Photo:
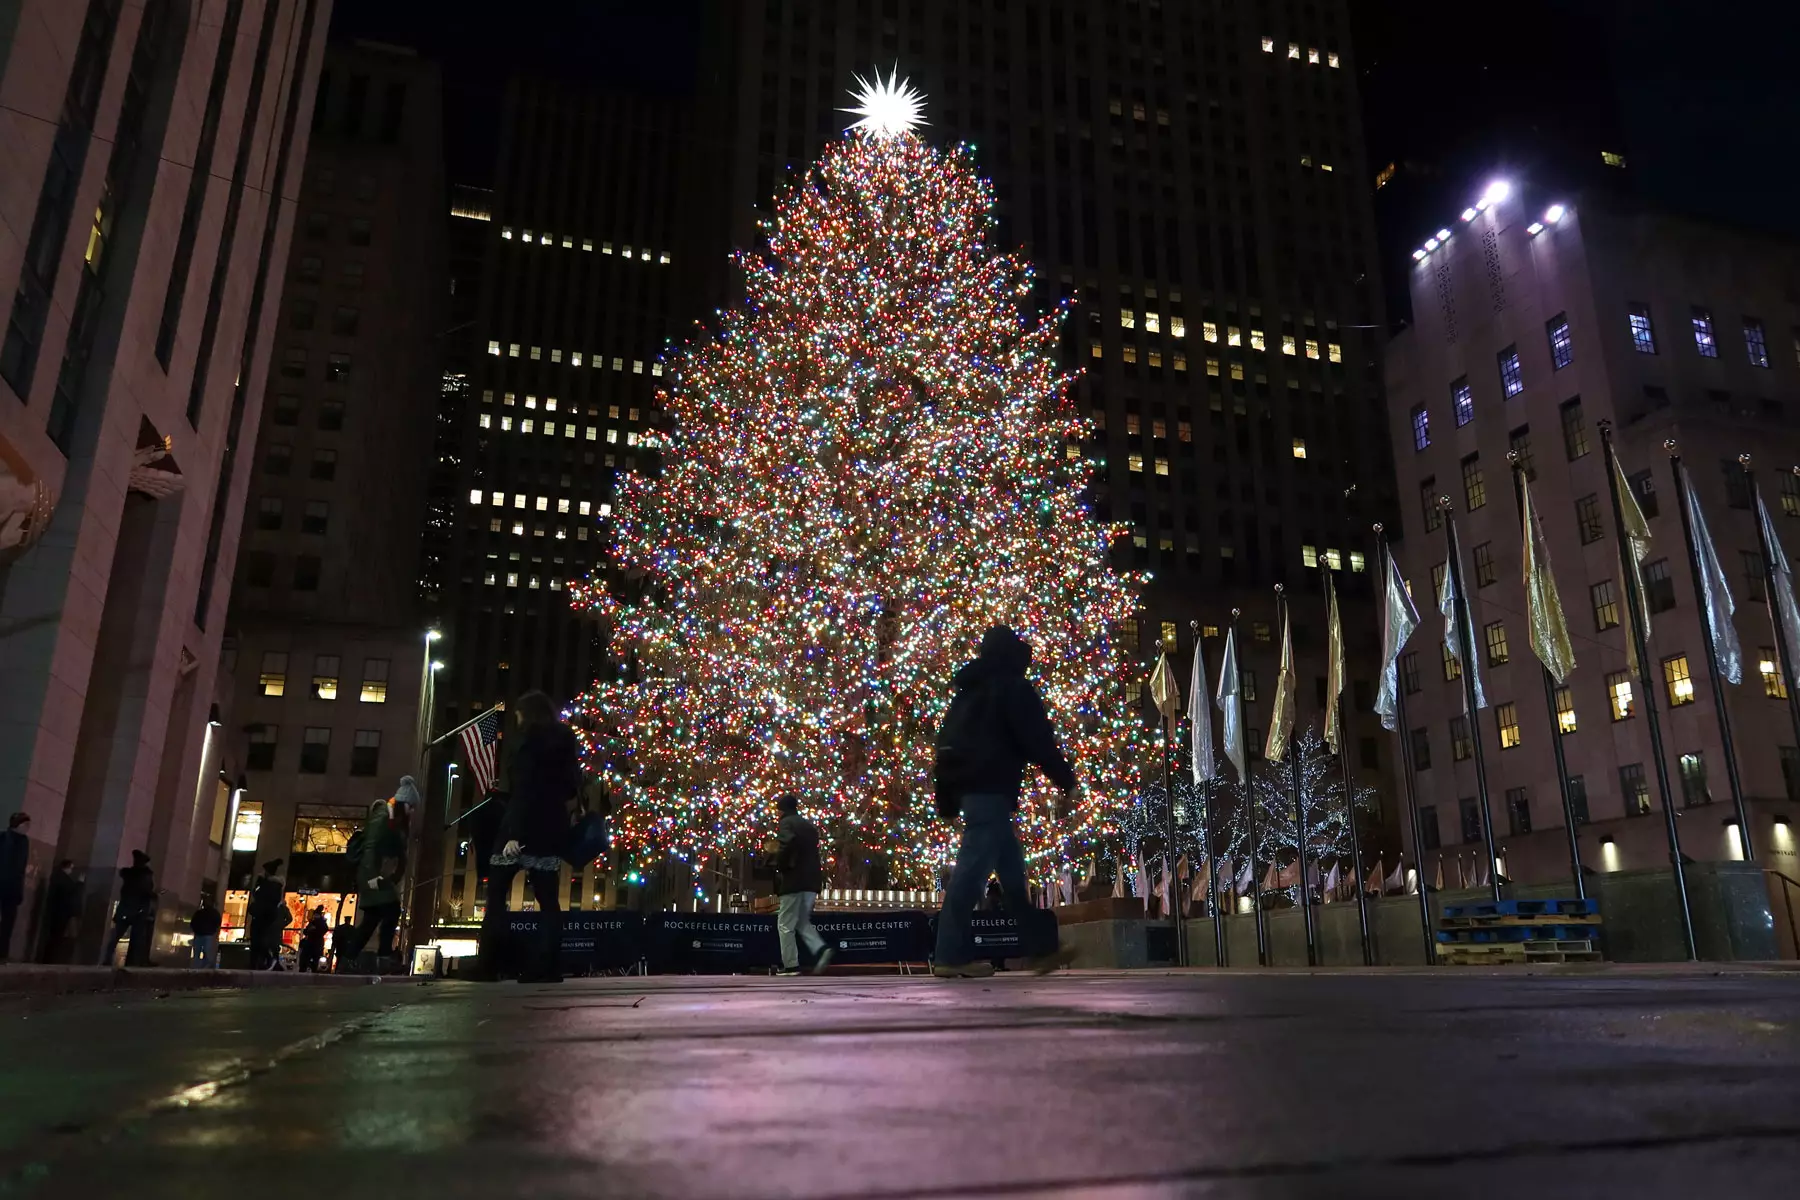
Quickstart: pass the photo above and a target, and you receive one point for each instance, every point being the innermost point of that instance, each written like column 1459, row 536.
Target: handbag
column 586, row 841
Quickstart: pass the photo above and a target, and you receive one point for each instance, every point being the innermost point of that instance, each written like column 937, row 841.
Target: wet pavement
column 1395, row 1084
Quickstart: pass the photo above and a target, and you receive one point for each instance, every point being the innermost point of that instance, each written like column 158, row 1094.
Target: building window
column 1261, row 631
column 269, row 513
column 1506, row 716
column 365, row 752
column 353, row 275
column 1565, row 711
column 1429, row 837
column 1659, row 588
column 1428, row 502
column 1578, row 799
column 1247, row 686
column 1643, row 486
column 1474, row 486
column 1421, row 427
column 1753, row 573
column 1694, row 791
column 375, row 681
column 293, row 363
column 316, row 517
column 1790, row 494
column 273, row 679
column 1618, row 695
column 1643, row 334
column 1409, row 672
column 1587, row 519
column 1461, row 745
column 1299, row 447
column 1574, row 427
column 1421, row 750
column 1484, row 564
column 325, row 677
column 1518, row 810
column 1471, row 818
column 260, row 755
column 1494, row 633
column 1634, row 789
column 1512, row 381
column 315, row 750
column 1704, row 341
column 1675, row 679
column 337, row 368
column 1756, row 342
column 324, row 465
column 1562, row 346
column 1606, row 605
column 1452, row 668
column 306, row 573
column 1462, row 401
column 302, row 313
column 1737, row 487
column 1769, row 664
column 1519, row 442
column 345, row 321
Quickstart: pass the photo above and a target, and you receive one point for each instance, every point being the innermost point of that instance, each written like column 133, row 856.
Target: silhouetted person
column 204, row 925
column 15, row 856
column 544, row 782
column 268, row 914
column 135, row 914
column 312, row 940
column 62, row 909
column 378, row 876
column 798, row 877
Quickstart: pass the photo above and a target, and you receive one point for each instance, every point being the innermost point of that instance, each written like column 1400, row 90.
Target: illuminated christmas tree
column 872, row 461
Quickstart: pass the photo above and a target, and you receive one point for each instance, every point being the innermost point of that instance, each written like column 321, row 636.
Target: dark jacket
column 312, row 934
column 545, row 775
column 137, row 888
column 15, row 853
column 64, row 900
column 266, row 896
column 1006, row 723
column 797, row 866
column 383, row 857
column 205, row 922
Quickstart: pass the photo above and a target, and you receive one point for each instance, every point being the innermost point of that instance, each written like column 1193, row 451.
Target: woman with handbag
column 544, row 785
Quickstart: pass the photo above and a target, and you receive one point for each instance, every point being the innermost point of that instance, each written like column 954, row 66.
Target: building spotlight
column 1497, row 191
column 1443, row 235
column 1468, row 214
column 1553, row 214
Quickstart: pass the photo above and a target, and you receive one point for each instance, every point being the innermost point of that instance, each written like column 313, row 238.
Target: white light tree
column 1322, row 798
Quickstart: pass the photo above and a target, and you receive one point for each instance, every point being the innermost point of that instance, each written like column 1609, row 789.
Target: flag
column 1066, row 889
column 1334, row 665
column 1231, row 726
column 1480, row 867
column 1181, row 867
column 1166, row 889
column 1398, row 619
column 1245, row 876
column 1397, row 881
column 479, row 740
column 1438, row 884
column 1455, row 608
column 1411, row 885
column 1333, row 881
column 1780, row 581
column 1372, row 881
column 1281, row 716
column 1119, row 883
column 1543, row 607
column 1164, row 690
column 1288, row 876
column 1206, row 765
column 1715, row 594
column 1637, row 537
column 1202, row 880
column 1140, row 883
column 1463, row 879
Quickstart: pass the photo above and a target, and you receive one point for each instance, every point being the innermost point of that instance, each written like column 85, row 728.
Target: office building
column 152, row 154
column 1538, row 317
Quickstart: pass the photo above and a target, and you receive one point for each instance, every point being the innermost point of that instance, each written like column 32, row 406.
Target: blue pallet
column 1520, row 933
column 1524, row 908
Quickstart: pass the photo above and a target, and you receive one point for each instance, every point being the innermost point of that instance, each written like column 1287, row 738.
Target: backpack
column 354, row 847
column 965, row 725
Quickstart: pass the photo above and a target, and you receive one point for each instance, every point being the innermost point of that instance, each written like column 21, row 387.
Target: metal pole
column 1556, row 745
column 1712, row 652
column 1784, row 651
column 1639, row 639
column 1206, row 822
column 1465, row 634
column 1174, row 914
column 1262, row 943
column 1343, row 731
column 1293, row 752
column 1409, row 777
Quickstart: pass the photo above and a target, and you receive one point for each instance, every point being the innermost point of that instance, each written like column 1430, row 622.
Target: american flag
column 478, row 743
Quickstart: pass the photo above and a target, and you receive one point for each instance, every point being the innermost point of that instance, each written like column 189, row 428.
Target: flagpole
column 1202, row 695
column 1385, row 555
column 1168, row 729
column 1712, row 652
column 1634, row 603
column 1343, row 729
column 1465, row 635
column 1556, row 743
column 1783, row 650
column 1262, row 945
column 444, row 737
column 1293, row 753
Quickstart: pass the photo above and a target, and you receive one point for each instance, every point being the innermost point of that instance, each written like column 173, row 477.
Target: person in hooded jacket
column 379, row 873
column 544, row 782
column 135, row 913
column 995, row 728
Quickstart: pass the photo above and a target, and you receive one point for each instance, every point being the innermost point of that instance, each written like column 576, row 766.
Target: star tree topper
column 887, row 107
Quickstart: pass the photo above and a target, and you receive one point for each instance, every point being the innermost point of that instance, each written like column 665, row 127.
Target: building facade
column 151, row 153
column 1539, row 317
column 328, row 641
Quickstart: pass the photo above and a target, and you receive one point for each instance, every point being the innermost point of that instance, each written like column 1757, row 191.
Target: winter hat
column 273, row 865
column 17, row 819
column 139, row 858
column 787, row 802
column 408, row 791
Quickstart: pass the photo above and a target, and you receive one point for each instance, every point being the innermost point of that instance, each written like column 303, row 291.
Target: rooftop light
column 1553, row 214
column 1468, row 214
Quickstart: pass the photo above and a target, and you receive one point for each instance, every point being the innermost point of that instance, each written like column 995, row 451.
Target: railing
column 1788, row 887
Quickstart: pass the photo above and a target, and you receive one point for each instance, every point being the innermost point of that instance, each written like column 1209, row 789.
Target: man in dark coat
column 204, row 925
column 135, row 913
column 268, row 916
column 995, row 728
column 798, row 878
column 312, row 940
column 62, row 907
column 378, row 877
column 15, row 856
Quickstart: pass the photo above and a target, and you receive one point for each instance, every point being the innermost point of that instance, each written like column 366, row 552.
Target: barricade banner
column 592, row 939
column 877, row 937
column 994, row 935
column 712, row 943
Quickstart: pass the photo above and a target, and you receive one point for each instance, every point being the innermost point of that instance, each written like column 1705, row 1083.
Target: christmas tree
column 872, row 461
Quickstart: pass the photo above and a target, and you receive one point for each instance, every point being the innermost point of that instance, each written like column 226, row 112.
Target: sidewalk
column 31, row 979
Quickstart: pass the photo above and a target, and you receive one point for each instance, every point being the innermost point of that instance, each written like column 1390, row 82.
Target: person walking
column 62, row 908
column 312, row 940
column 544, row 784
column 798, row 877
column 135, row 913
column 204, row 925
column 380, row 866
column 268, row 914
column 15, row 857
column 995, row 728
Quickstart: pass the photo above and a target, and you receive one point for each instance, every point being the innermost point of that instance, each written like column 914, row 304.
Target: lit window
column 544, row 239
column 1232, row 336
column 1565, row 711
column 325, row 677
column 1773, row 685
column 1127, row 318
column 625, row 251
column 606, row 247
column 1268, row 45
column 574, row 358
column 1703, row 334
column 556, row 356
column 1237, row 371
column 1334, row 352
column 518, row 500
column 1136, row 463
column 1756, row 342
column 612, row 435
column 1331, row 58
column 1180, row 361
column 1152, row 322
column 1155, row 357
column 1094, row 348
column 512, row 579
column 1312, row 349
column 506, row 423
column 1294, row 50
column 1358, row 563
column 1462, row 401
column 512, row 349
column 1495, row 635
column 1421, row 427
column 1212, row 367
column 493, row 347
column 518, row 529
column 487, row 420
column 536, row 353
column 499, row 499
column 662, row 256
column 475, row 496
column 374, row 684
column 1309, row 556
column 1677, row 680
column 1177, row 327
column 273, row 679
column 1643, row 334
column 1312, row 56
column 1256, row 340
column 1512, row 380
column 1210, row 331
column 618, row 364
column 1128, row 353
column 656, row 369
column 592, row 433
column 543, row 504
column 1612, row 158
column 1618, row 693
column 1162, row 466
column 1299, row 447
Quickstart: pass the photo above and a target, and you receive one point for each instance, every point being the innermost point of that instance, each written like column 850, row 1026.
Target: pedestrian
column 268, row 915
column 135, row 913
column 798, row 877
column 381, row 865
column 312, row 940
column 15, row 856
column 996, row 726
column 204, row 925
column 62, row 909
column 544, row 785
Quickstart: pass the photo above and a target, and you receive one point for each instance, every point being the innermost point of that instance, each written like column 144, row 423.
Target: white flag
column 1396, row 882
column 1455, row 608
column 1715, row 593
column 1245, row 876
column 1437, row 884
column 1141, row 882
column 1231, row 724
column 1372, row 881
column 1205, row 764
column 1398, row 620
column 1202, row 879
column 1119, row 883
column 1780, row 581
column 1333, row 881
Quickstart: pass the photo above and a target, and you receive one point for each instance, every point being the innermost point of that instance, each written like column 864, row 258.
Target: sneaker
column 787, row 970
column 973, row 970
column 823, row 961
column 1062, row 957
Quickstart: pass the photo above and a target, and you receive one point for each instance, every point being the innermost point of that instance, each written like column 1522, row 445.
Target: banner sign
column 883, row 937
column 592, row 939
column 995, row 935
column 712, row 943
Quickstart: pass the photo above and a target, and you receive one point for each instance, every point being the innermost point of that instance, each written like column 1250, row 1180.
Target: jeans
column 206, row 951
column 796, row 918
column 386, row 917
column 989, row 845
column 545, row 959
column 141, row 925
